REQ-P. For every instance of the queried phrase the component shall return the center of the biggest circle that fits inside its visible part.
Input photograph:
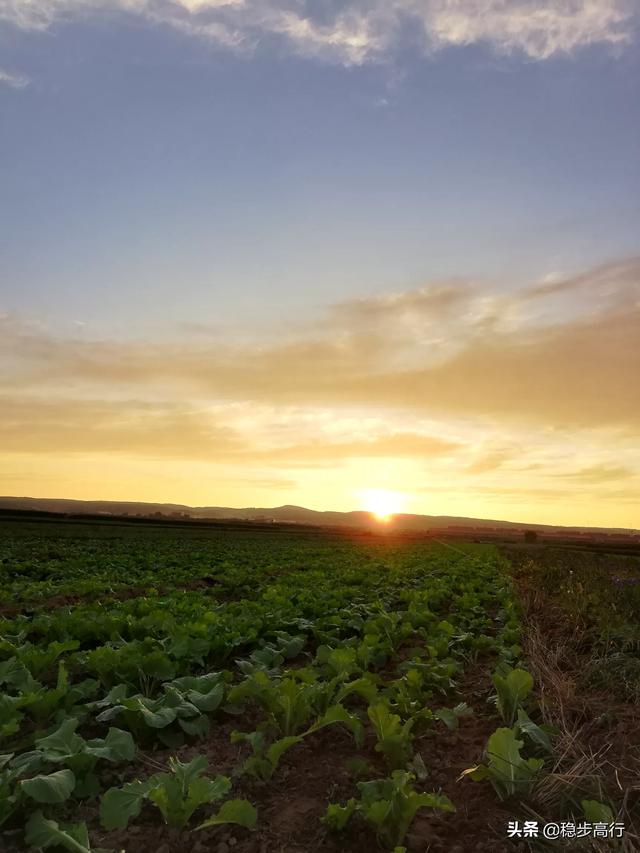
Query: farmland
(217, 689)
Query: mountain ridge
(285, 513)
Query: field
(173, 689)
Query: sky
(257, 252)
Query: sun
(383, 503)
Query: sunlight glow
(383, 503)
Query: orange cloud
(482, 362)
(454, 383)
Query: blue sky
(139, 159)
(174, 171)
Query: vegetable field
(191, 690)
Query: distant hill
(286, 513)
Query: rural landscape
(319, 426)
(231, 685)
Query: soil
(124, 594)
(315, 773)
(318, 771)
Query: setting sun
(383, 503)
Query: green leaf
(290, 705)
(447, 716)
(119, 805)
(42, 704)
(504, 752)
(15, 674)
(54, 788)
(342, 661)
(115, 696)
(538, 735)
(42, 833)
(418, 767)
(391, 804)
(82, 690)
(207, 701)
(167, 796)
(119, 745)
(209, 790)
(279, 747)
(199, 683)
(394, 737)
(258, 767)
(337, 817)
(177, 794)
(596, 812)
(255, 739)
(385, 723)
(187, 772)
(195, 728)
(339, 714)
(364, 687)
(512, 690)
(158, 665)
(157, 719)
(509, 772)
(432, 801)
(378, 812)
(289, 646)
(241, 812)
(63, 742)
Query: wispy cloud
(538, 29)
(595, 474)
(490, 460)
(172, 430)
(354, 32)
(454, 389)
(13, 79)
(439, 351)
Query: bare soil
(316, 773)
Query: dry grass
(580, 769)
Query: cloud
(13, 79)
(437, 302)
(77, 426)
(179, 431)
(269, 484)
(615, 278)
(595, 474)
(461, 392)
(394, 445)
(538, 28)
(470, 355)
(489, 461)
(354, 32)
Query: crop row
(374, 640)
